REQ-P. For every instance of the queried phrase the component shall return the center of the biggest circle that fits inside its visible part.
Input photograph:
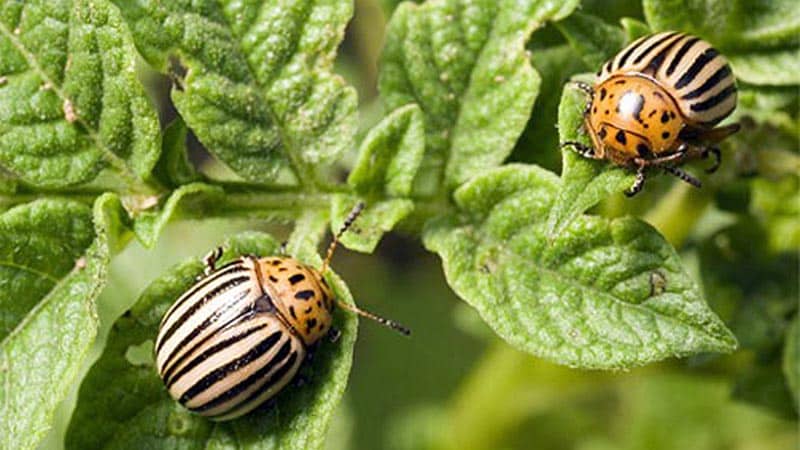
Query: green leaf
(383, 177)
(779, 67)
(123, 404)
(194, 197)
(539, 142)
(71, 103)
(41, 357)
(258, 90)
(174, 168)
(759, 38)
(584, 181)
(634, 29)
(592, 38)
(777, 204)
(308, 231)
(39, 243)
(390, 155)
(465, 64)
(771, 105)
(603, 294)
(791, 359)
(376, 219)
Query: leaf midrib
(288, 146)
(536, 265)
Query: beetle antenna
(381, 320)
(345, 226)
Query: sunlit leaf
(465, 64)
(602, 294)
(256, 85)
(41, 356)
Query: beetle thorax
(301, 296)
(634, 116)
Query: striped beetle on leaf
(239, 335)
(656, 104)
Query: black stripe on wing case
(653, 47)
(676, 60)
(698, 64)
(630, 50)
(233, 282)
(249, 381)
(228, 269)
(226, 370)
(274, 378)
(171, 363)
(714, 100)
(206, 323)
(208, 353)
(710, 83)
(658, 60)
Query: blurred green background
(453, 385)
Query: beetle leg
(282, 248)
(637, 185)
(717, 158)
(676, 155)
(334, 334)
(582, 149)
(586, 88)
(683, 176)
(210, 261)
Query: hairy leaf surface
(41, 356)
(603, 294)
(70, 103)
(256, 83)
(465, 64)
(389, 159)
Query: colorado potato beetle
(656, 104)
(240, 334)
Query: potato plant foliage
(464, 157)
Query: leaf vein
(117, 162)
